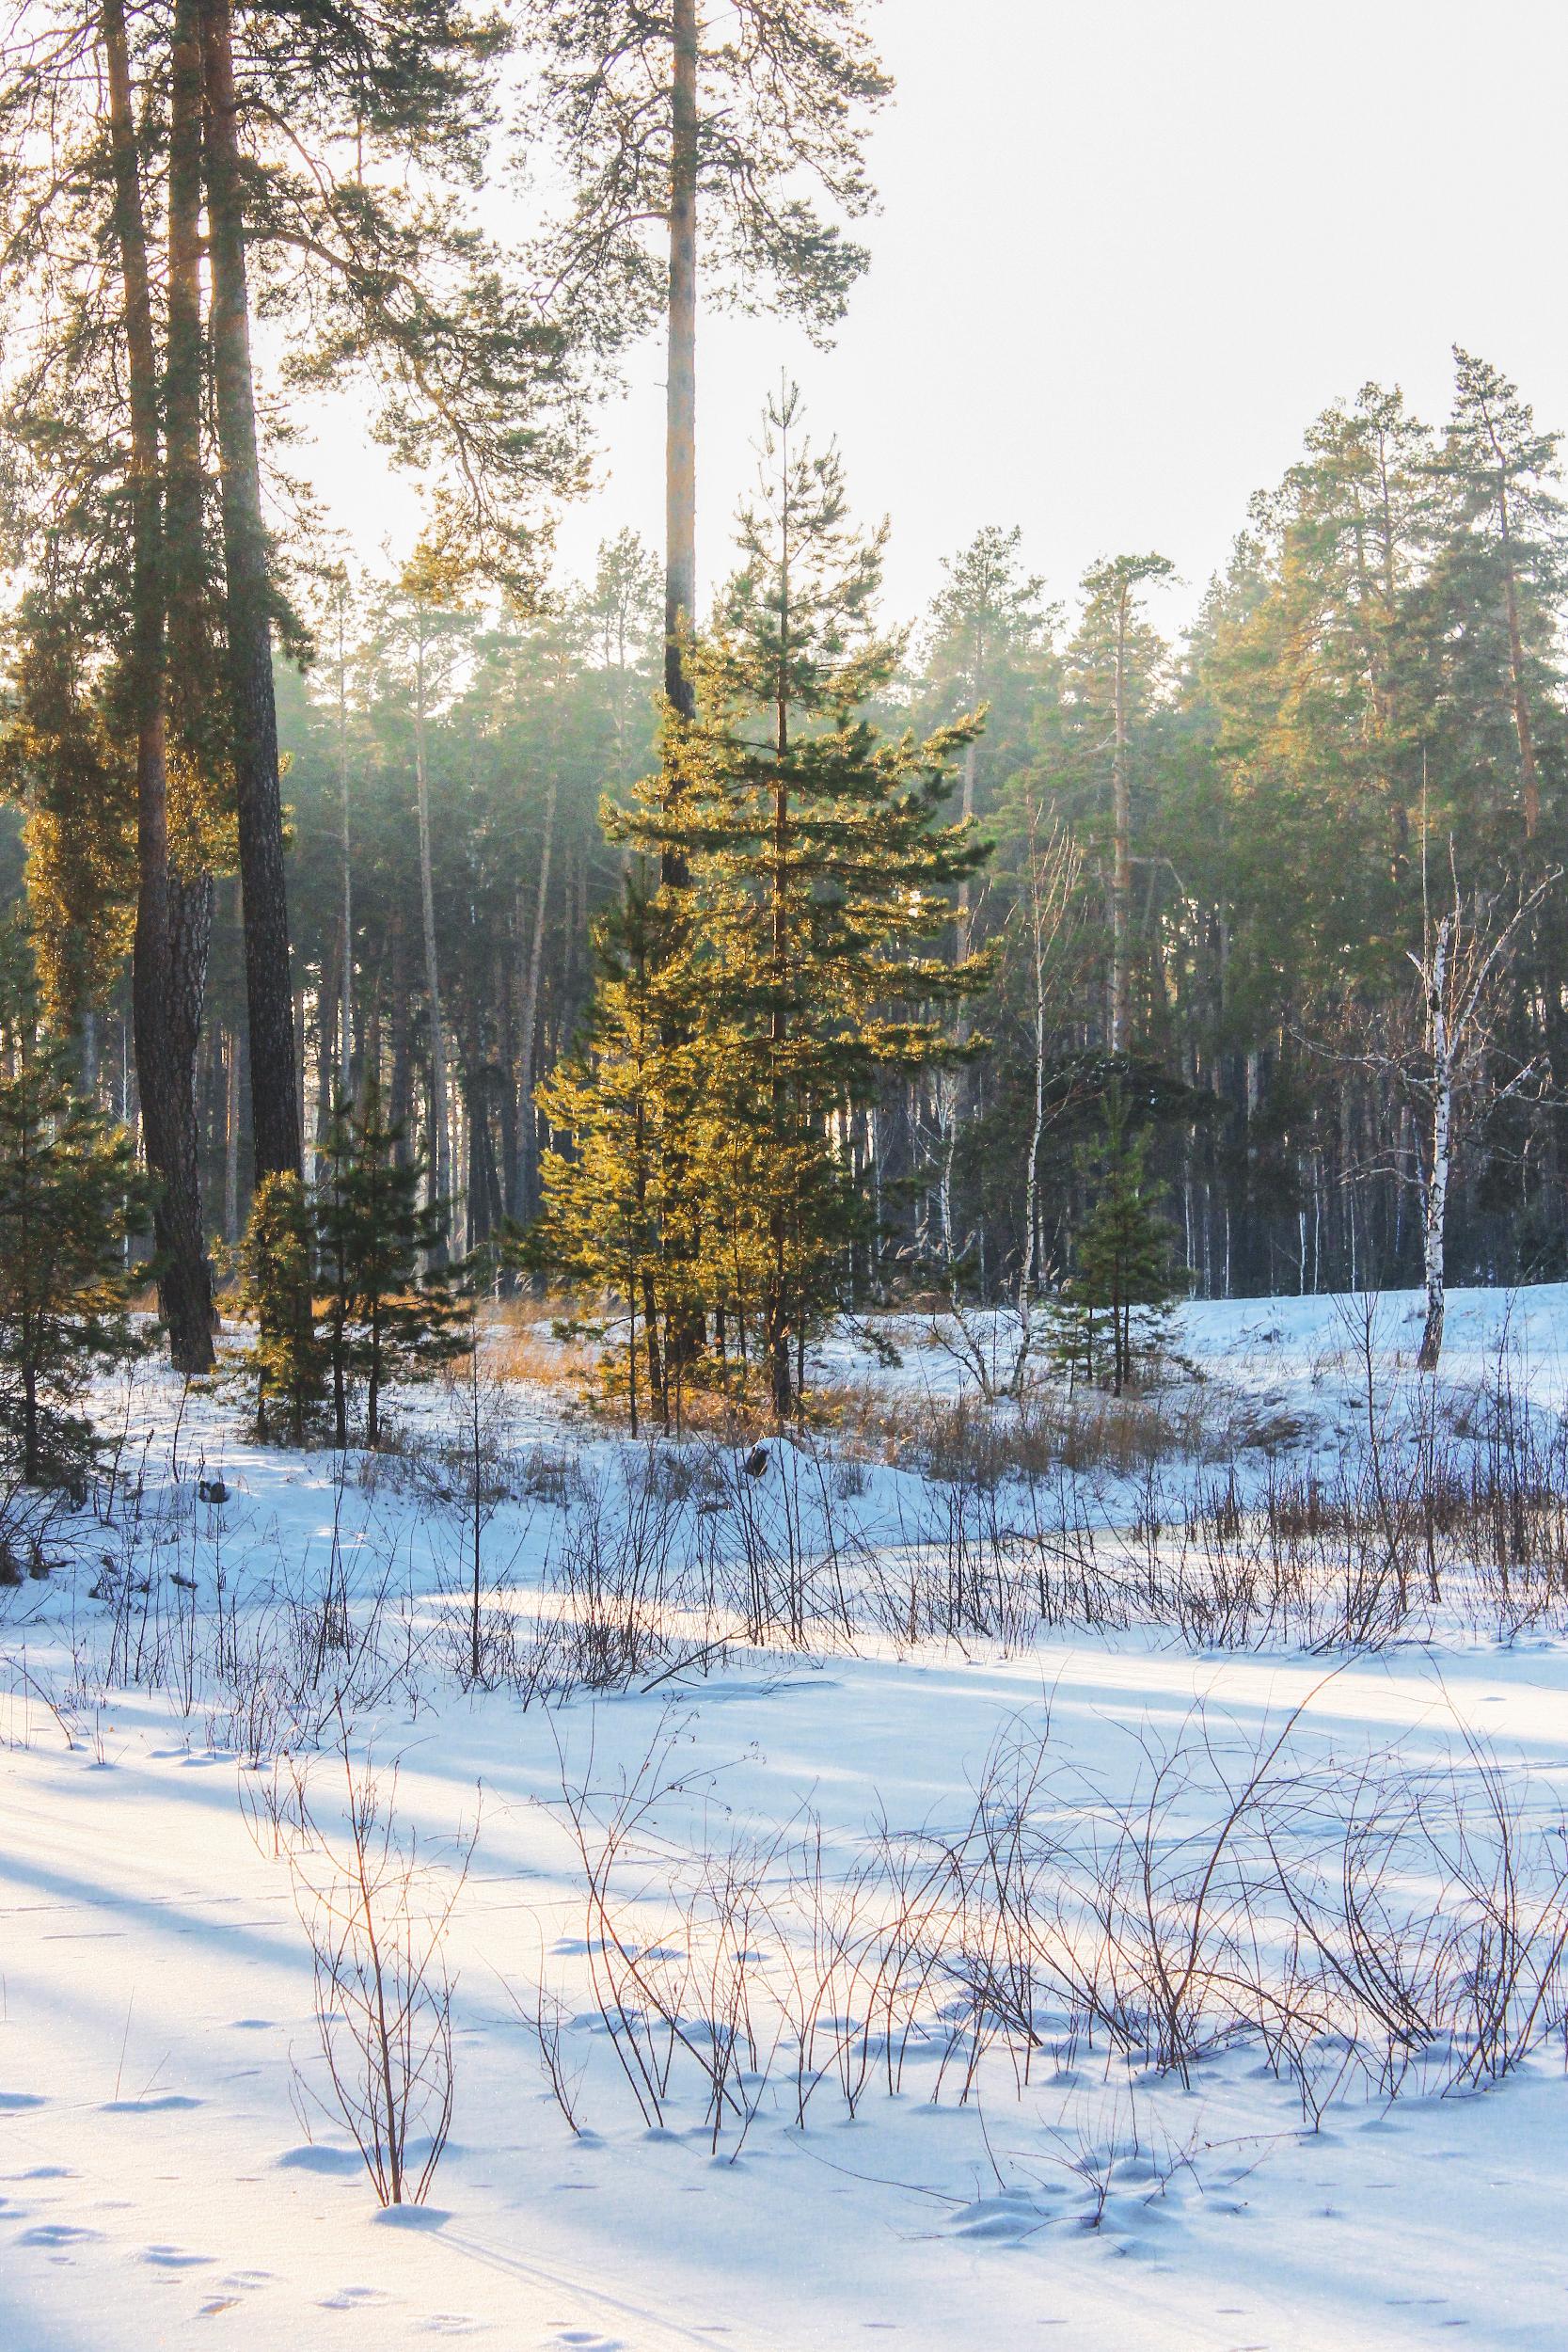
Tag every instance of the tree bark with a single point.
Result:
(1121, 819)
(680, 460)
(274, 1089)
(1528, 779)
(440, 1150)
(400, 1098)
(1435, 1201)
(345, 854)
(169, 954)
(686, 1333)
(527, 1187)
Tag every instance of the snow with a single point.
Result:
(170, 2175)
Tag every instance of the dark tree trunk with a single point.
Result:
(400, 1105)
(686, 1336)
(274, 1092)
(680, 457)
(527, 1125)
(169, 955)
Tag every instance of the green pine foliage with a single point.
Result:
(346, 1284)
(1111, 1320)
(70, 1198)
(288, 1357)
(389, 1311)
(745, 1015)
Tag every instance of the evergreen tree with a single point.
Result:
(390, 1314)
(785, 981)
(612, 1220)
(69, 1199)
(1121, 1287)
(1116, 655)
(1500, 570)
(288, 1357)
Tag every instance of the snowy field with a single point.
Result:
(1112, 1892)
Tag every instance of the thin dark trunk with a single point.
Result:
(399, 1099)
(274, 1089)
(169, 958)
(231, 1137)
(1529, 780)
(345, 853)
(1121, 870)
(440, 1139)
(680, 480)
(527, 1180)
(778, 1299)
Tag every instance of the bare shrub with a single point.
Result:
(376, 1916)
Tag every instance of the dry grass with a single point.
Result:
(965, 1439)
(522, 1344)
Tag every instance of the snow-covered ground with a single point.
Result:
(842, 1840)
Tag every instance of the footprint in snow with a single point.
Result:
(587, 2340)
(352, 2298)
(12, 2101)
(56, 2233)
(171, 2258)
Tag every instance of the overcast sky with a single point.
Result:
(1125, 250)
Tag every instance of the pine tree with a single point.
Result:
(1122, 1285)
(710, 131)
(1114, 649)
(389, 1313)
(69, 1199)
(621, 1211)
(1500, 567)
(277, 1263)
(777, 989)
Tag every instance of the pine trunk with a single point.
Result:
(274, 1089)
(1121, 870)
(1528, 779)
(527, 1177)
(680, 484)
(168, 961)
(440, 1142)
(345, 857)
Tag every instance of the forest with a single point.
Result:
(751, 961)
(784, 1346)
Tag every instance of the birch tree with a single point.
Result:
(1443, 1056)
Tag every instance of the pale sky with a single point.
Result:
(1125, 250)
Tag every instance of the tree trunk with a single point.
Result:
(440, 1148)
(777, 1303)
(680, 460)
(527, 1131)
(1121, 819)
(1435, 1204)
(173, 919)
(345, 855)
(329, 1080)
(231, 1138)
(400, 1095)
(274, 1092)
(1528, 779)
